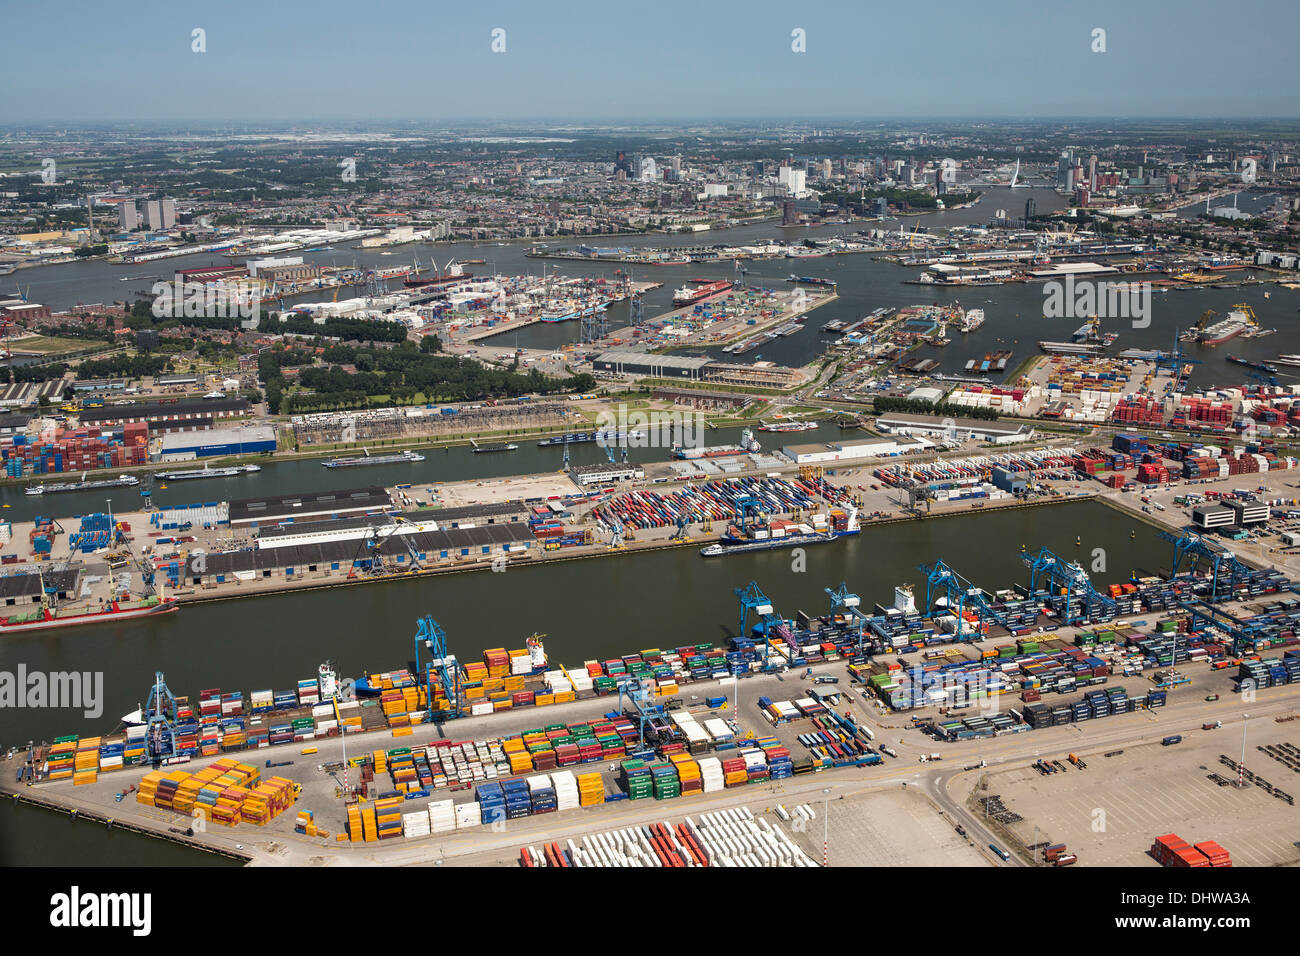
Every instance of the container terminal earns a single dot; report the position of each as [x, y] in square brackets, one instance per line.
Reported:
[453, 757]
[224, 549]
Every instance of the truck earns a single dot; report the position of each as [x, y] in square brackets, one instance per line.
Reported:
[1000, 852]
[925, 758]
[1212, 725]
[888, 750]
[1171, 740]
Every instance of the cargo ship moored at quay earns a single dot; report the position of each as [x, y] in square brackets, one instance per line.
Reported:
[49, 619]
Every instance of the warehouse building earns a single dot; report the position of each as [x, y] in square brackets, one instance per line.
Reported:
[586, 475]
[630, 362]
[292, 533]
[296, 562]
[1011, 481]
[163, 414]
[26, 586]
[991, 431]
[215, 442]
[261, 512]
[860, 449]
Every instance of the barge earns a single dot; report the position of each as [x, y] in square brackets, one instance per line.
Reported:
[208, 472]
[122, 481]
[369, 459]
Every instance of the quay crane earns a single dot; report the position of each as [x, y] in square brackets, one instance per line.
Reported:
[753, 599]
[958, 592]
[1245, 634]
[440, 665]
[159, 717]
[1074, 581]
[1220, 559]
[851, 603]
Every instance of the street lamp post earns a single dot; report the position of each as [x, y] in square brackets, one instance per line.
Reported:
[826, 827]
[1241, 767]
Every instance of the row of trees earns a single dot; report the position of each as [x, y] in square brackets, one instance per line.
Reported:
[884, 405]
[398, 375]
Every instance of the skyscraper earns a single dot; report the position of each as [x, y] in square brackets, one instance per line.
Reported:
[1031, 209]
[160, 213]
[127, 217]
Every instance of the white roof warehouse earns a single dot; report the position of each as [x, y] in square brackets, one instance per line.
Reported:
[997, 432]
[856, 450]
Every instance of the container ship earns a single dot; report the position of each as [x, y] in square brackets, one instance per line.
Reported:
[122, 481]
[786, 426]
[46, 619]
[574, 438]
[785, 534]
[747, 446]
[701, 289]
[395, 272]
[454, 273]
[207, 472]
[369, 459]
[1261, 366]
[573, 310]
[812, 280]
[1225, 329]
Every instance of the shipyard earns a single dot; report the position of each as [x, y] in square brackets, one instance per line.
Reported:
[695, 439]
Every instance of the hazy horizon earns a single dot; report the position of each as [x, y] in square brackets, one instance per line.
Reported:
[592, 63]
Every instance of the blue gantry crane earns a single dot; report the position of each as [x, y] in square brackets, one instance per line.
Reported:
[753, 599]
[1226, 571]
[159, 716]
[438, 664]
[960, 595]
[1244, 632]
[851, 603]
[638, 695]
[747, 506]
[1070, 576]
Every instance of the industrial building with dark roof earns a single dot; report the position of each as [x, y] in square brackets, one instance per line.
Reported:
[324, 504]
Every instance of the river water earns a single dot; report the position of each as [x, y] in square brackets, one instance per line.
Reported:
[587, 609]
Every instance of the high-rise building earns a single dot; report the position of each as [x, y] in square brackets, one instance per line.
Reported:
[789, 213]
[1065, 169]
[160, 213]
[649, 171]
[1092, 172]
[127, 217]
[1031, 209]
[622, 164]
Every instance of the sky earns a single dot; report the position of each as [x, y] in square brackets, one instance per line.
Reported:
[631, 61]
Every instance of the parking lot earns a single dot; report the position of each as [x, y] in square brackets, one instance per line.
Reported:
[889, 828]
[1110, 813]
